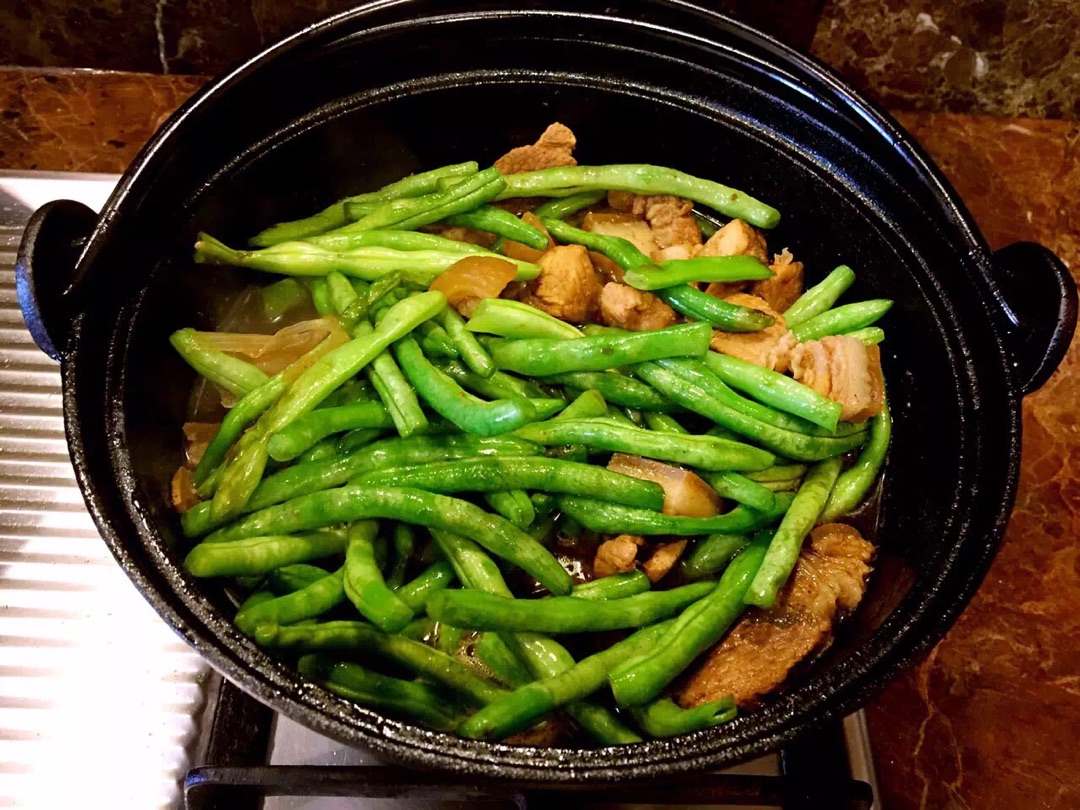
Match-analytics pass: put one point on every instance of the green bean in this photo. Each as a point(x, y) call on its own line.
point(472, 353)
point(236, 376)
point(260, 554)
point(706, 452)
point(352, 503)
point(868, 334)
point(588, 405)
point(699, 627)
point(694, 397)
point(281, 297)
point(351, 392)
point(543, 357)
point(610, 518)
point(363, 302)
point(710, 555)
point(320, 293)
point(435, 342)
point(619, 418)
point(724, 315)
point(410, 214)
point(643, 179)
point(514, 505)
point(543, 656)
point(664, 423)
point(561, 614)
point(304, 479)
point(306, 603)
point(784, 549)
point(310, 428)
point(706, 226)
point(355, 440)
point(447, 398)
point(360, 637)
point(853, 484)
point(562, 207)
point(703, 268)
point(289, 578)
point(741, 489)
point(842, 319)
point(364, 584)
point(621, 251)
point(501, 474)
point(242, 414)
point(404, 541)
point(501, 223)
point(500, 659)
point(349, 237)
point(775, 389)
point(255, 599)
point(665, 718)
point(527, 704)
point(513, 319)
point(497, 386)
point(415, 593)
point(243, 472)
point(399, 697)
point(334, 215)
point(615, 586)
point(779, 472)
point(819, 297)
point(366, 263)
point(616, 389)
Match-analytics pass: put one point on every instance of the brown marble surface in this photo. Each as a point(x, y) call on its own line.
point(990, 719)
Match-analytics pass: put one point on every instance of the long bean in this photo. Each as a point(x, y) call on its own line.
point(412, 213)
point(775, 389)
point(415, 593)
point(643, 179)
point(665, 718)
point(498, 386)
point(334, 215)
point(820, 297)
point(639, 681)
point(513, 319)
point(868, 334)
point(853, 484)
point(704, 269)
point(290, 578)
point(252, 555)
point(621, 251)
point(350, 238)
point(404, 543)
point(363, 302)
point(616, 389)
point(615, 586)
point(364, 584)
point(501, 223)
point(351, 503)
point(610, 518)
point(561, 207)
point(535, 473)
point(236, 376)
point(561, 614)
point(784, 549)
point(741, 489)
point(281, 297)
point(846, 318)
point(527, 704)
point(494, 653)
point(471, 352)
point(307, 603)
point(710, 555)
point(543, 357)
point(304, 432)
point(706, 452)
point(724, 315)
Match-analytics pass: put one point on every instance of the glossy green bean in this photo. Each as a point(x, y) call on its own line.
point(561, 207)
point(498, 386)
point(846, 318)
point(408, 214)
point(699, 627)
point(415, 593)
point(543, 357)
point(610, 518)
point(404, 543)
point(643, 179)
point(348, 237)
point(260, 554)
point(493, 652)
point(468, 347)
point(868, 334)
point(320, 293)
point(664, 423)
point(784, 549)
point(617, 389)
point(588, 405)
point(621, 251)
point(702, 269)
point(779, 472)
point(853, 484)
point(352, 503)
point(497, 474)
point(236, 376)
point(501, 223)
point(739, 488)
point(363, 302)
point(282, 297)
point(310, 428)
point(614, 586)
point(289, 578)
point(820, 297)
point(514, 505)
point(706, 452)
point(309, 602)
point(724, 315)
point(364, 584)
point(355, 440)
point(711, 555)
point(321, 450)
point(665, 718)
point(334, 215)
point(513, 319)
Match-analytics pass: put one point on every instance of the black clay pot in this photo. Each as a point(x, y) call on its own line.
point(393, 87)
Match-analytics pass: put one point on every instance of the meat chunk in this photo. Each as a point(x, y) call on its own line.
point(676, 252)
point(670, 218)
point(606, 268)
point(844, 369)
point(554, 148)
point(567, 286)
point(663, 559)
point(784, 288)
point(756, 656)
point(635, 310)
point(633, 230)
point(737, 238)
point(617, 555)
point(770, 348)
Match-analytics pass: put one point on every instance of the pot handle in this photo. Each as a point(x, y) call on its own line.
point(45, 279)
point(1040, 310)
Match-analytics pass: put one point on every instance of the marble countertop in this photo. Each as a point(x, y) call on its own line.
point(989, 719)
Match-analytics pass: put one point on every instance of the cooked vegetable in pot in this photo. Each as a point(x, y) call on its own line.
point(569, 467)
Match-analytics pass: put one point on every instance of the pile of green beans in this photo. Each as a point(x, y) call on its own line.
point(368, 505)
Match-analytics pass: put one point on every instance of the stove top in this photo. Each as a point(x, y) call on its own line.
point(100, 703)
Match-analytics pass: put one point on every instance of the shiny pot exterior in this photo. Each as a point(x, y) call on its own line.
point(393, 87)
